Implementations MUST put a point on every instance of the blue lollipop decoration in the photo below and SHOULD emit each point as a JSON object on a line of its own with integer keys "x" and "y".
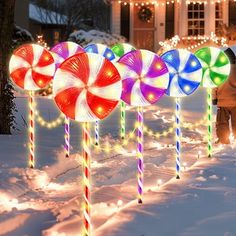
{"x": 185, "y": 77}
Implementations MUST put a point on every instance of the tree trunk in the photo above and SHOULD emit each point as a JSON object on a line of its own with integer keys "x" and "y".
{"x": 6, "y": 94}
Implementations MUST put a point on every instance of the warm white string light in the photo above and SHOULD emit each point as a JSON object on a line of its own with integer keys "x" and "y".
{"x": 168, "y": 2}
{"x": 201, "y": 40}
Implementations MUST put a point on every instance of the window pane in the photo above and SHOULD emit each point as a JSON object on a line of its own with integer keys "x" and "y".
{"x": 195, "y": 19}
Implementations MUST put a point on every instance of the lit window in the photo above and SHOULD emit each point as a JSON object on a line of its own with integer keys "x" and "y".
{"x": 196, "y": 19}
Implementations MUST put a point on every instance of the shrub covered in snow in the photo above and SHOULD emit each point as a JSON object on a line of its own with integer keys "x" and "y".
{"x": 21, "y": 36}
{"x": 95, "y": 36}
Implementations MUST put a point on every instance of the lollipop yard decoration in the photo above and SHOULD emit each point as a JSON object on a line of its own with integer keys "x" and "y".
{"x": 86, "y": 88}
{"x": 61, "y": 52}
{"x": 145, "y": 79}
{"x": 216, "y": 70}
{"x": 106, "y": 52}
{"x": 31, "y": 68}
{"x": 120, "y": 50}
{"x": 185, "y": 73}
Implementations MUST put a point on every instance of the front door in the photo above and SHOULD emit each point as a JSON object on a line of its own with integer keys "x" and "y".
{"x": 144, "y": 27}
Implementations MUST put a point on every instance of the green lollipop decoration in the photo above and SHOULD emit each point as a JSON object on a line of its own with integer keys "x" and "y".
{"x": 216, "y": 70}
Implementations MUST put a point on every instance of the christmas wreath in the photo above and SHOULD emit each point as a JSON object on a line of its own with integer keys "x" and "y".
{"x": 145, "y": 14}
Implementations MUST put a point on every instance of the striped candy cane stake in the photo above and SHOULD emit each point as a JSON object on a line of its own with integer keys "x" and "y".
{"x": 122, "y": 120}
{"x": 177, "y": 134}
{"x": 140, "y": 155}
{"x": 31, "y": 130}
{"x": 96, "y": 128}
{"x": 86, "y": 179}
{"x": 209, "y": 116}
{"x": 67, "y": 136}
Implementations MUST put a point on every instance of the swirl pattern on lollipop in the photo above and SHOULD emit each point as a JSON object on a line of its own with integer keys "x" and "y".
{"x": 65, "y": 50}
{"x": 87, "y": 87}
{"x": 31, "y": 67}
{"x": 101, "y": 49}
{"x": 185, "y": 72}
{"x": 215, "y": 64}
{"x": 144, "y": 76}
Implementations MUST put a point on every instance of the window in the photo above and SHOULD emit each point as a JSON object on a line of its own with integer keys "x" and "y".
{"x": 219, "y": 17}
{"x": 196, "y": 17}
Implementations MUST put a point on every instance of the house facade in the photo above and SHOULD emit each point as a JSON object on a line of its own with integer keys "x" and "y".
{"x": 146, "y": 23}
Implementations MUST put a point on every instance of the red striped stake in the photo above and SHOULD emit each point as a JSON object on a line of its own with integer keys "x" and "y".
{"x": 86, "y": 179}
{"x": 31, "y": 130}
{"x": 67, "y": 136}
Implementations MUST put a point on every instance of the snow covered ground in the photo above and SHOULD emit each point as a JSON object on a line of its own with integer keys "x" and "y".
{"x": 48, "y": 200}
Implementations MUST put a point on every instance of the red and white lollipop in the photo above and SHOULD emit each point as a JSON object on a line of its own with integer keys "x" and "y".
{"x": 31, "y": 67}
{"x": 87, "y": 87}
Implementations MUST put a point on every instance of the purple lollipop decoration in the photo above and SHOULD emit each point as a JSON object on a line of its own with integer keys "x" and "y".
{"x": 145, "y": 79}
{"x": 61, "y": 52}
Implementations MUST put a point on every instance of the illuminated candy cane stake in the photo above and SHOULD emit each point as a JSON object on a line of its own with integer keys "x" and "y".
{"x": 86, "y": 179}
{"x": 31, "y": 68}
{"x": 216, "y": 70}
{"x": 209, "y": 121}
{"x": 185, "y": 76}
{"x": 31, "y": 130}
{"x": 122, "y": 120}
{"x": 87, "y": 87}
{"x": 140, "y": 155}
{"x": 145, "y": 79}
{"x": 178, "y": 135}
{"x": 96, "y": 129}
{"x": 67, "y": 136}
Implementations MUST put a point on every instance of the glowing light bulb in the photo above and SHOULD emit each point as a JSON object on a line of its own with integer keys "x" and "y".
{"x": 100, "y": 109}
{"x": 151, "y": 96}
{"x": 159, "y": 182}
{"x": 217, "y": 80}
{"x": 119, "y": 203}
{"x": 193, "y": 63}
{"x": 159, "y": 66}
{"x": 185, "y": 165}
{"x": 186, "y": 88}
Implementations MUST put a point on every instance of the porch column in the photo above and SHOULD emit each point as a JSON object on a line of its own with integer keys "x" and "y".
{"x": 226, "y": 13}
{"x": 183, "y": 18}
{"x": 210, "y": 17}
{"x": 160, "y": 19}
{"x": 115, "y": 17}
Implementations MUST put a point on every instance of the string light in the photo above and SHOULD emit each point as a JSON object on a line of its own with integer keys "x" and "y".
{"x": 49, "y": 125}
{"x": 159, "y": 183}
{"x": 42, "y": 42}
{"x": 159, "y": 3}
{"x": 175, "y": 41}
